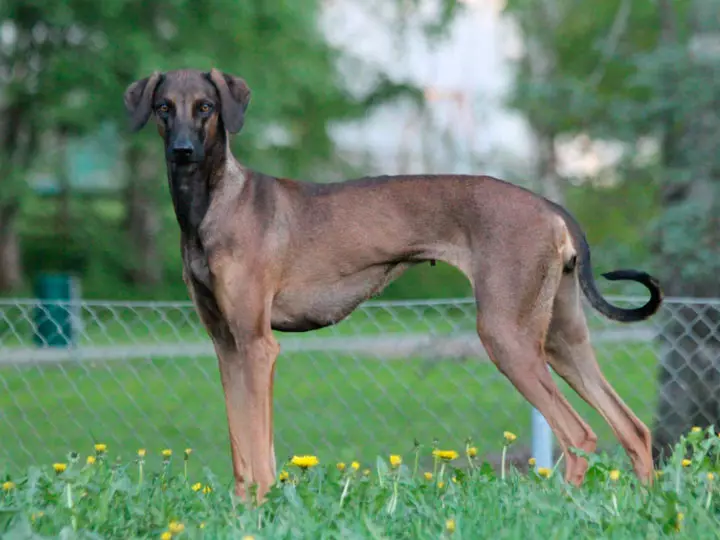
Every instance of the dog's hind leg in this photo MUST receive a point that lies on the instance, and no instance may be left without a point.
(572, 357)
(514, 297)
(519, 359)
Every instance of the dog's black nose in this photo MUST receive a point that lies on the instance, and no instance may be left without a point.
(182, 149)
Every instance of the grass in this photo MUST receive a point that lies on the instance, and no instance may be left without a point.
(335, 406)
(377, 500)
(338, 407)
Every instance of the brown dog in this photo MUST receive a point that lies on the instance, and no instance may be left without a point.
(262, 253)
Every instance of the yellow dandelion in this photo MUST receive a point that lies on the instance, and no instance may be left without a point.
(679, 518)
(248, 537)
(207, 489)
(544, 472)
(167, 535)
(90, 460)
(283, 476)
(428, 476)
(454, 480)
(202, 524)
(509, 436)
(304, 462)
(166, 453)
(175, 527)
(472, 451)
(395, 460)
(355, 465)
(447, 455)
(366, 472)
(710, 477)
(686, 462)
(614, 475)
(532, 461)
(441, 485)
(450, 525)
(7, 486)
(340, 466)
(197, 486)
(60, 467)
(696, 429)
(101, 448)
(141, 452)
(188, 451)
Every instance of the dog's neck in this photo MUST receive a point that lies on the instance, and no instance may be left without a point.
(191, 185)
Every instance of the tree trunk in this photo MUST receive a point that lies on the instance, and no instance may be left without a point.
(142, 221)
(551, 185)
(540, 62)
(689, 375)
(10, 140)
(64, 213)
(10, 264)
(689, 370)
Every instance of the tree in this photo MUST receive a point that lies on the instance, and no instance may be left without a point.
(538, 22)
(682, 66)
(632, 72)
(42, 65)
(69, 63)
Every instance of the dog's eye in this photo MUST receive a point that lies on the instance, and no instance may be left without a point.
(163, 109)
(205, 108)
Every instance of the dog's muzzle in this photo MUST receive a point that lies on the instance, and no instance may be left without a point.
(182, 150)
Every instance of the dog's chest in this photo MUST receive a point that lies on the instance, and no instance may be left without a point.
(196, 263)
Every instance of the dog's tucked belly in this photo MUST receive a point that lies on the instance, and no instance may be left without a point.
(305, 306)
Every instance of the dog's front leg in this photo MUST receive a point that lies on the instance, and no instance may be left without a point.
(247, 373)
(247, 351)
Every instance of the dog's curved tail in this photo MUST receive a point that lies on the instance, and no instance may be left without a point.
(589, 286)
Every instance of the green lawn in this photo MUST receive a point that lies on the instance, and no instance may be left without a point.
(378, 500)
(338, 407)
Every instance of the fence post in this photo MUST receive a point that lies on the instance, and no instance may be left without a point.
(542, 440)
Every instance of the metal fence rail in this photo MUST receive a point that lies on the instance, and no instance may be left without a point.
(143, 375)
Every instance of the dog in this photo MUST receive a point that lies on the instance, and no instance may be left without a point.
(261, 253)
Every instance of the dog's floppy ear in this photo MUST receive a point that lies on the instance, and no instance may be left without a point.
(234, 99)
(138, 100)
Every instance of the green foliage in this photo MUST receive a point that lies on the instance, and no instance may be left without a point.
(426, 281)
(588, 67)
(370, 500)
(630, 70)
(72, 62)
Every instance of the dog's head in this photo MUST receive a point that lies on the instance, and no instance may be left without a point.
(192, 109)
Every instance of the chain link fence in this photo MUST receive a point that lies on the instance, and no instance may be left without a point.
(144, 375)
